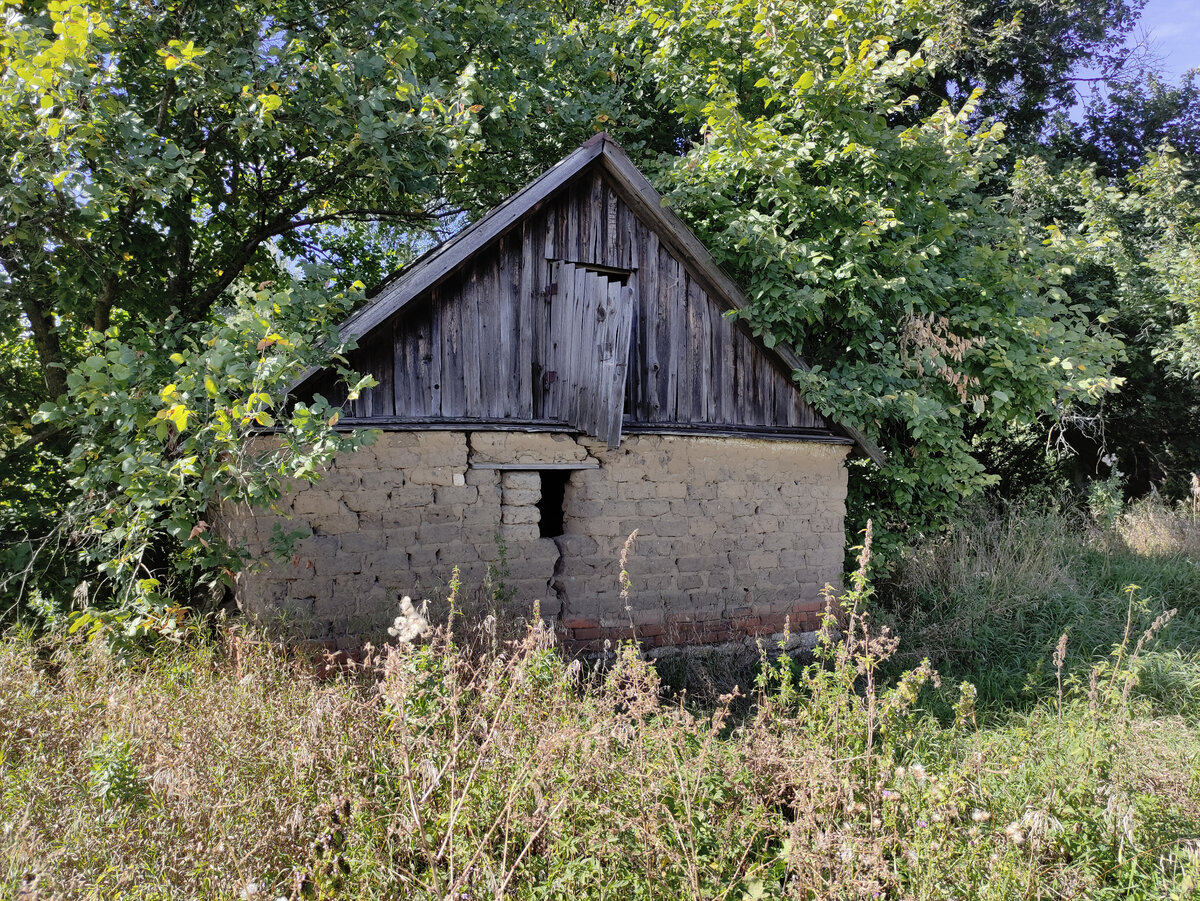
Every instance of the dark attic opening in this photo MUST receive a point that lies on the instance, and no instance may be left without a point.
(554, 490)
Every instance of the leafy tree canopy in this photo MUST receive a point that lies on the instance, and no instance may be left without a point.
(165, 161)
(890, 253)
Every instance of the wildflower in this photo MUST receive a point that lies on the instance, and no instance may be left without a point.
(980, 816)
(900, 772)
(889, 795)
(918, 772)
(410, 625)
(1014, 833)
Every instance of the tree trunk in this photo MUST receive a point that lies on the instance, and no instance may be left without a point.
(45, 340)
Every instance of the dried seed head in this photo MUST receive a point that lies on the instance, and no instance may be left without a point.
(1060, 652)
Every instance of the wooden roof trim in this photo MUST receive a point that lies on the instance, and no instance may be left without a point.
(435, 266)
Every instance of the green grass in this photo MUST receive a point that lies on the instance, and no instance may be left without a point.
(227, 769)
(990, 600)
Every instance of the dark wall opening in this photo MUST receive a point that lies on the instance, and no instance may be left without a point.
(554, 487)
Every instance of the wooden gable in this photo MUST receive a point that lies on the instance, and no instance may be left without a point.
(580, 303)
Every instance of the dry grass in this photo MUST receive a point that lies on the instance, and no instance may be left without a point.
(1151, 529)
(228, 769)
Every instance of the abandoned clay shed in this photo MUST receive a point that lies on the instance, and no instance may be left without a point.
(551, 379)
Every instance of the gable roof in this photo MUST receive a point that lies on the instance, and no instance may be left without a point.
(438, 264)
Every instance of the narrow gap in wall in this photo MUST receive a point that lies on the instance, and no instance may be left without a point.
(550, 505)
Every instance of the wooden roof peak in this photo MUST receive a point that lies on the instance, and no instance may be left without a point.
(438, 264)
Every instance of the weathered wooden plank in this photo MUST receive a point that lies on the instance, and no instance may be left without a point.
(550, 232)
(574, 217)
(712, 389)
(594, 247)
(670, 318)
(491, 341)
(431, 358)
(581, 354)
(797, 410)
(633, 405)
(386, 392)
(539, 310)
(633, 232)
(404, 341)
(737, 377)
(371, 359)
(614, 374)
(616, 235)
(770, 382)
(583, 348)
(650, 401)
(784, 393)
(699, 352)
(724, 343)
(377, 356)
(524, 330)
(402, 366)
(554, 337)
(468, 306)
(681, 362)
(454, 387)
(752, 405)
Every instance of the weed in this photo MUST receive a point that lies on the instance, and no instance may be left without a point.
(114, 778)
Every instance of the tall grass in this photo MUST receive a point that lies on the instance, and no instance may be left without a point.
(989, 601)
(227, 769)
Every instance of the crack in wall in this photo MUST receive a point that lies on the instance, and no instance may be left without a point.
(556, 582)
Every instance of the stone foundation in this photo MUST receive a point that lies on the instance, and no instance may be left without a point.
(735, 536)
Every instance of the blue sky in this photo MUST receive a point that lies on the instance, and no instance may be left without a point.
(1173, 27)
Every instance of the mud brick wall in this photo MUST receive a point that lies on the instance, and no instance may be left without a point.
(734, 535)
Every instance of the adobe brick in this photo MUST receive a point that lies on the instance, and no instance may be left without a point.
(520, 515)
(512, 532)
(519, 497)
(577, 545)
(410, 495)
(520, 480)
(313, 502)
(362, 542)
(671, 489)
(760, 560)
(455, 495)
(437, 533)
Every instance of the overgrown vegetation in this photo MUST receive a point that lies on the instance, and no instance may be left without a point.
(459, 768)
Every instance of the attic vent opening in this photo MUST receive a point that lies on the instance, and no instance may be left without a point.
(552, 503)
(612, 273)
